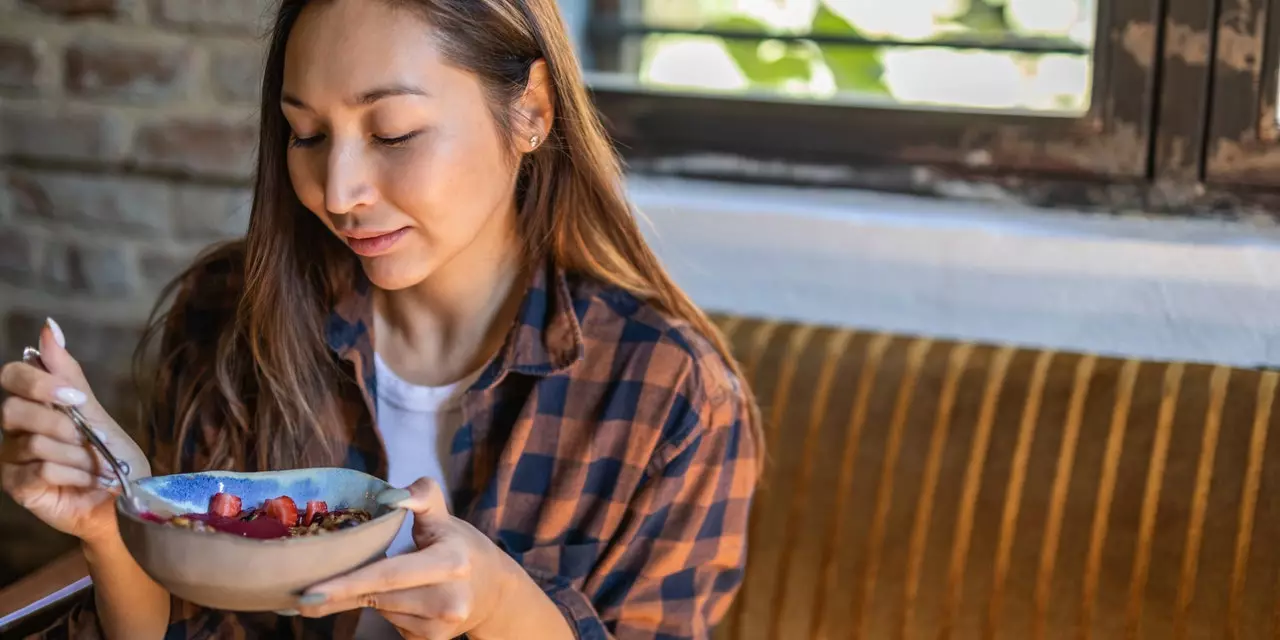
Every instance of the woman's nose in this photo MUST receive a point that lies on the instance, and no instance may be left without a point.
(347, 186)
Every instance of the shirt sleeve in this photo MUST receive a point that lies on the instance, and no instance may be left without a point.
(682, 563)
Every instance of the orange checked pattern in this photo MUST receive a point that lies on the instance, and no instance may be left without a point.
(606, 448)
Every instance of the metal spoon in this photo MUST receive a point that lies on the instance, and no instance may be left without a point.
(31, 356)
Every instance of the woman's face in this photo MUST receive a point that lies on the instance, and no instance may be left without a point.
(395, 151)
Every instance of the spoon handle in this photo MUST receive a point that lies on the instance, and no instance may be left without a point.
(31, 356)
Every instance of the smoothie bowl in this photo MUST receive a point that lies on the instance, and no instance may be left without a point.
(254, 541)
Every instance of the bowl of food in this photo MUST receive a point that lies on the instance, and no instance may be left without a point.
(255, 541)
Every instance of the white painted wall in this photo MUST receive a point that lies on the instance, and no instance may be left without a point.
(1153, 288)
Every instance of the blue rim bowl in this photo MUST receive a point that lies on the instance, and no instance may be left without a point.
(232, 573)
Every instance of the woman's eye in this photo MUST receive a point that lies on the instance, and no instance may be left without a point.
(396, 141)
(300, 142)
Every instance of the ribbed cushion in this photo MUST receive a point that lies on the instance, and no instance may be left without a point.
(922, 489)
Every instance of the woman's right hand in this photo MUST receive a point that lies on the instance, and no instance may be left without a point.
(45, 463)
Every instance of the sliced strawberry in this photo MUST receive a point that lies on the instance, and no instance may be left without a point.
(225, 505)
(314, 508)
(282, 509)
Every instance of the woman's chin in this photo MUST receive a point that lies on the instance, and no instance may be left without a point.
(385, 274)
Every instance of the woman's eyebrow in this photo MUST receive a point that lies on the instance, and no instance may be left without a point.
(367, 98)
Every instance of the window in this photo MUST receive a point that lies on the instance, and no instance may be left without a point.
(1056, 87)
(1033, 55)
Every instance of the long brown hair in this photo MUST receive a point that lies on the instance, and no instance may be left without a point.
(268, 381)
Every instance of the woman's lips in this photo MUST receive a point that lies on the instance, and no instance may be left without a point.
(372, 245)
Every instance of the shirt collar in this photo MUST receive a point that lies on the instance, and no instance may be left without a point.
(544, 339)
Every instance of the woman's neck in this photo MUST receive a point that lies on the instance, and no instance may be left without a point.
(445, 328)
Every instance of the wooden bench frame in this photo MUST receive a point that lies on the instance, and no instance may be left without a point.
(50, 586)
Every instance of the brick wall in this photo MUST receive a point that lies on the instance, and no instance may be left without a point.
(127, 132)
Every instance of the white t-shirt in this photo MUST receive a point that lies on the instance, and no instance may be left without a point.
(417, 425)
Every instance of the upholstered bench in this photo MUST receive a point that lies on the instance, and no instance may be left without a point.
(931, 489)
(935, 489)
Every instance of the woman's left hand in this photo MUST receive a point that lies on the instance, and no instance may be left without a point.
(449, 587)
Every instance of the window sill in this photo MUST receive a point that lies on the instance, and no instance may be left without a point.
(1185, 289)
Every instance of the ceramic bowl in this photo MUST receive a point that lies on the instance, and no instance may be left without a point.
(233, 573)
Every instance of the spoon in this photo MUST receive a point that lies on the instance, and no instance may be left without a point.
(31, 356)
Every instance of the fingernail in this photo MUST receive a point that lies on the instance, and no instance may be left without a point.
(393, 497)
(67, 395)
(313, 599)
(102, 435)
(287, 612)
(58, 336)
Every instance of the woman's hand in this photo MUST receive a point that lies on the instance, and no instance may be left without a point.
(450, 586)
(45, 463)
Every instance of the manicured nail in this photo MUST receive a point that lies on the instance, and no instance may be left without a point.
(102, 435)
(287, 612)
(58, 336)
(69, 396)
(313, 599)
(393, 497)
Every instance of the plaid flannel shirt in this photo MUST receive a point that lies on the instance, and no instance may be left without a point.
(606, 448)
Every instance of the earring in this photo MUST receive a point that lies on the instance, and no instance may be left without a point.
(533, 141)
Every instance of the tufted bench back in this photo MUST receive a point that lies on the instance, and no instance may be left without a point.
(934, 489)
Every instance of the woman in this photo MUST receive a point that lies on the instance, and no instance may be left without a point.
(439, 238)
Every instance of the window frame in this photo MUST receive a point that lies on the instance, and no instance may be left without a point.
(1186, 79)
(1243, 147)
(686, 133)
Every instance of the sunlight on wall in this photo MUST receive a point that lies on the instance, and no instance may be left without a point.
(786, 15)
(986, 80)
(1053, 17)
(692, 62)
(914, 19)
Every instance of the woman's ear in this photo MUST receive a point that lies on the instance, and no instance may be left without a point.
(536, 109)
